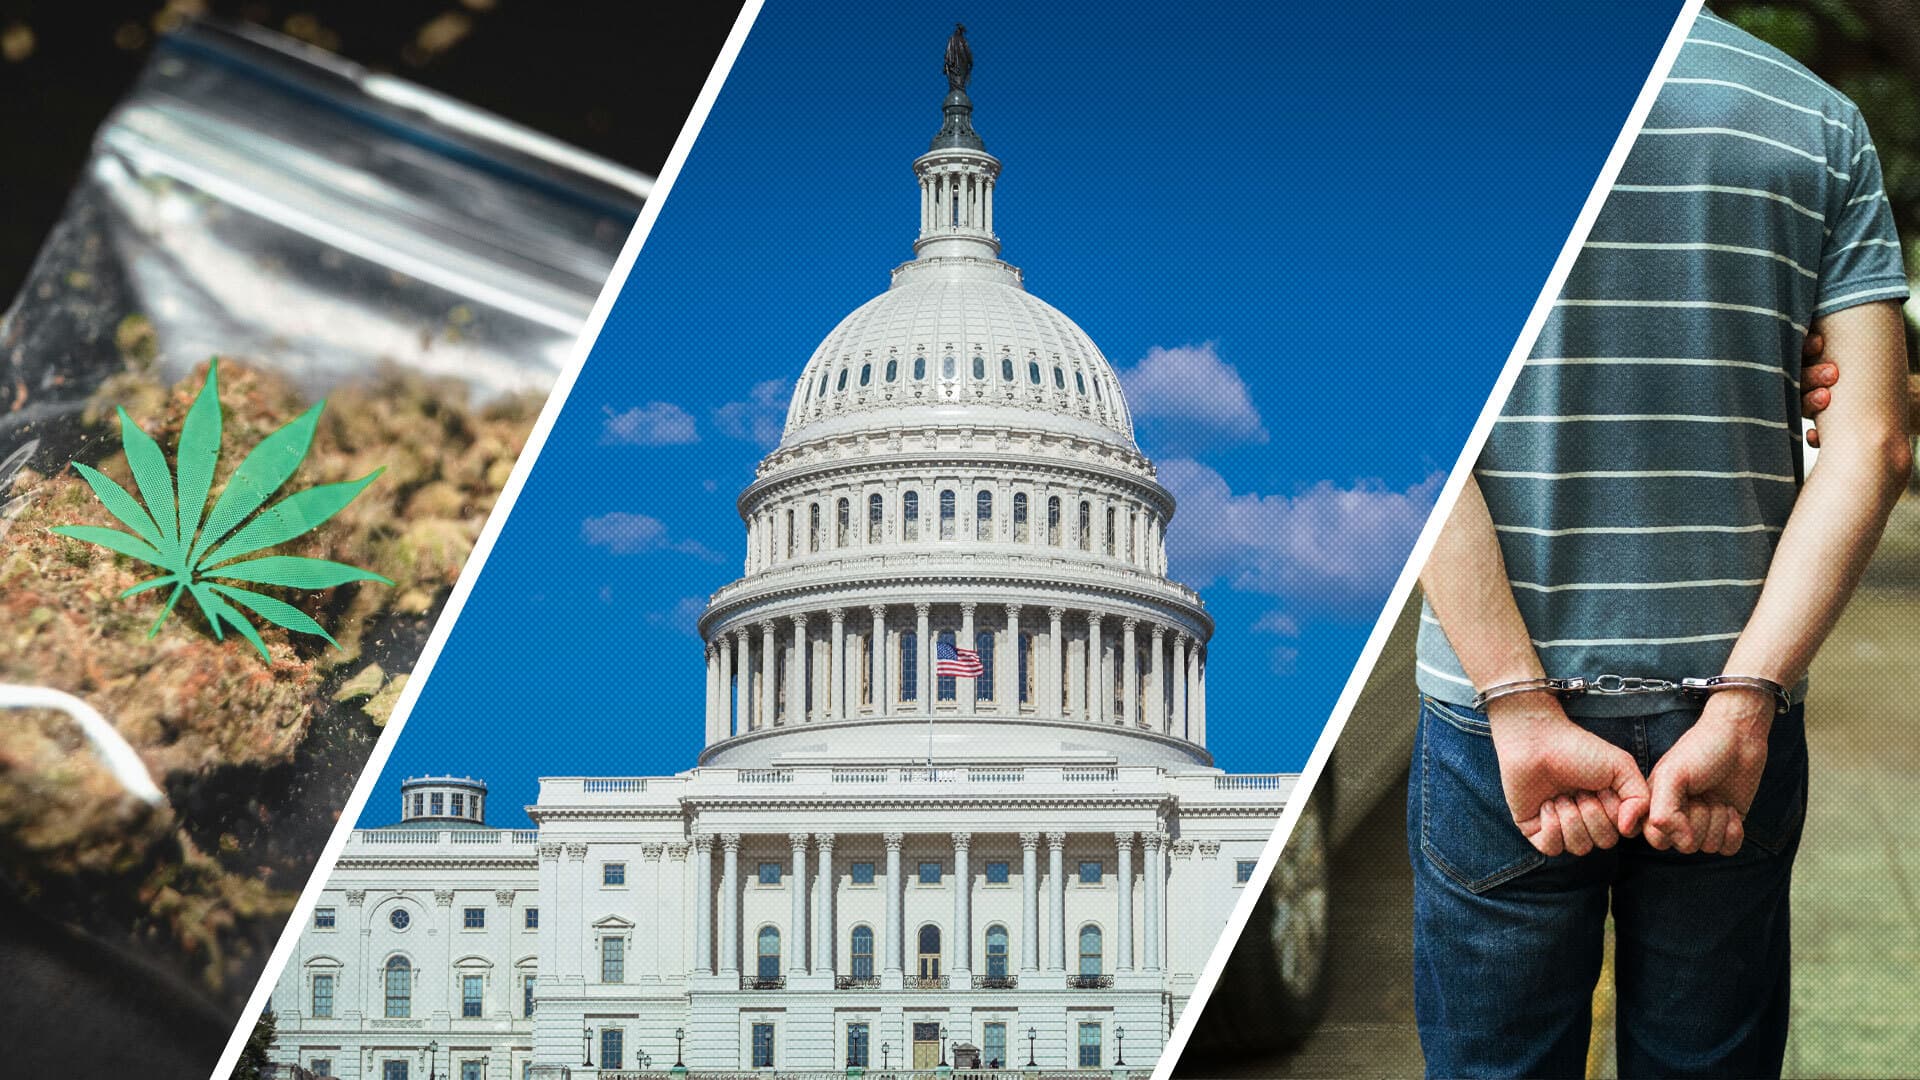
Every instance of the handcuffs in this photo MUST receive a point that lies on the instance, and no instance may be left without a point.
(1617, 685)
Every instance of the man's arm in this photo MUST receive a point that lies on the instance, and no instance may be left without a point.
(1703, 787)
(1567, 788)
(1820, 375)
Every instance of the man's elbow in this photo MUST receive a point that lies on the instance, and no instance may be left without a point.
(1878, 464)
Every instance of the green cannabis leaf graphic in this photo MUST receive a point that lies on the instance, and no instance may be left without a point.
(169, 533)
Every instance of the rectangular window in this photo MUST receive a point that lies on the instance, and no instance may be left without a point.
(393, 1070)
(399, 990)
(613, 873)
(1025, 675)
(983, 686)
(909, 666)
(997, 873)
(613, 960)
(945, 687)
(533, 918)
(419, 805)
(322, 1066)
(323, 918)
(470, 1070)
(474, 918)
(526, 996)
(929, 873)
(459, 806)
(763, 1046)
(323, 996)
(613, 1048)
(857, 1046)
(769, 873)
(1089, 1045)
(993, 1045)
(439, 804)
(1090, 872)
(472, 988)
(861, 873)
(1243, 871)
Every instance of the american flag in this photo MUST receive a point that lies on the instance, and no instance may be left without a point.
(958, 663)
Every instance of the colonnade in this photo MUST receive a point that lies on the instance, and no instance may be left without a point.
(1051, 662)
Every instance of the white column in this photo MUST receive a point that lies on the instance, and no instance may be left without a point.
(879, 659)
(1156, 711)
(713, 680)
(743, 682)
(1155, 842)
(923, 675)
(1099, 692)
(837, 667)
(966, 690)
(1178, 671)
(1029, 902)
(1006, 666)
(823, 936)
(1201, 696)
(894, 960)
(769, 674)
(797, 932)
(1049, 683)
(702, 903)
(1123, 924)
(1056, 901)
(730, 903)
(1129, 673)
(797, 673)
(962, 948)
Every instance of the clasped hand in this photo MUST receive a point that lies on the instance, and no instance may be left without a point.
(1570, 790)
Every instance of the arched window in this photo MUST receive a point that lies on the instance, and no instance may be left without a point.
(1006, 369)
(1080, 382)
(919, 368)
(1110, 530)
(813, 527)
(893, 369)
(399, 988)
(788, 553)
(1020, 517)
(1059, 378)
(843, 522)
(1097, 395)
(820, 385)
(769, 953)
(866, 373)
(874, 515)
(947, 367)
(840, 383)
(1026, 668)
(983, 686)
(862, 952)
(996, 951)
(1090, 954)
(929, 951)
(979, 368)
(1033, 372)
(946, 514)
(983, 516)
(1086, 526)
(1053, 520)
(945, 687)
(910, 516)
(909, 665)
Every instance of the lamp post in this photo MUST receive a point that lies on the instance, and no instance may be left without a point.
(943, 1046)
(1031, 1033)
(642, 1059)
(485, 1061)
(433, 1055)
(586, 1046)
(1119, 1045)
(679, 1039)
(886, 1049)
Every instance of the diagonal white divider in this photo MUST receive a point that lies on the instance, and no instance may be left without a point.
(563, 386)
(1403, 586)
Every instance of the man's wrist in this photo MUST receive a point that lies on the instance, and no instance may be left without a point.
(1745, 710)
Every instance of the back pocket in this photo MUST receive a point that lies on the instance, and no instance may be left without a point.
(1466, 829)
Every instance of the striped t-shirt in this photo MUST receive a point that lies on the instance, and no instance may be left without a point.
(1642, 470)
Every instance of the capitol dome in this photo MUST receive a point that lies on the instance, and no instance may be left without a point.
(957, 551)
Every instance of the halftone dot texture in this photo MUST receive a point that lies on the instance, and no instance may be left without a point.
(1351, 208)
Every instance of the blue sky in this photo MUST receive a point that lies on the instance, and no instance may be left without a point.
(1306, 239)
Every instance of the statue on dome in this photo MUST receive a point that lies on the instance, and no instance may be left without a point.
(959, 63)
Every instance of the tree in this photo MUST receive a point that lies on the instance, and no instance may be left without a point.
(253, 1060)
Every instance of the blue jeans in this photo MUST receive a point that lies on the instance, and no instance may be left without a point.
(1508, 942)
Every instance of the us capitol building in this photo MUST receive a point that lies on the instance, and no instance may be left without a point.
(873, 866)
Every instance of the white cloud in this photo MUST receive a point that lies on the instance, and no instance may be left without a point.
(683, 616)
(634, 534)
(1192, 397)
(1329, 548)
(758, 419)
(1277, 622)
(657, 423)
